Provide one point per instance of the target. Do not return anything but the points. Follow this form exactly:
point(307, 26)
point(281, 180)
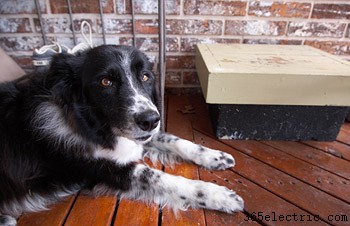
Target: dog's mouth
point(143, 138)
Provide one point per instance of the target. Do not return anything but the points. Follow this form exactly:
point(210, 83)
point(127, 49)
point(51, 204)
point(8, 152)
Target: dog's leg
point(140, 182)
point(169, 148)
point(180, 193)
point(6, 220)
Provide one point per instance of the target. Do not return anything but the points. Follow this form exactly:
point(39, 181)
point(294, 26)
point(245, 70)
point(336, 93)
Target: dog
point(86, 124)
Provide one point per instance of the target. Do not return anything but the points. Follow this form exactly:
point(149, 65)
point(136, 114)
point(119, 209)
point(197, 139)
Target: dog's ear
point(63, 76)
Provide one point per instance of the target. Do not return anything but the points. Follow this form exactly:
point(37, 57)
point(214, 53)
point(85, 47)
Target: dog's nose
point(147, 120)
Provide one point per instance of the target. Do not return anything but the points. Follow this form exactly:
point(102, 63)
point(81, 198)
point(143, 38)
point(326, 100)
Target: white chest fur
point(124, 152)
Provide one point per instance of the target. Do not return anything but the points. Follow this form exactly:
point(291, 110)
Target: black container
point(276, 122)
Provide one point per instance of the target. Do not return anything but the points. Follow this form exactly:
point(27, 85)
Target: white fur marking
point(125, 151)
point(180, 193)
point(50, 121)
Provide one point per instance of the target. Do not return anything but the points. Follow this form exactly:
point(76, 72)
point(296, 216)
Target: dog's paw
point(6, 220)
point(212, 196)
point(213, 159)
point(222, 199)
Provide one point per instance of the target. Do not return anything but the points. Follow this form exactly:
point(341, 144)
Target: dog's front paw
point(219, 198)
point(213, 159)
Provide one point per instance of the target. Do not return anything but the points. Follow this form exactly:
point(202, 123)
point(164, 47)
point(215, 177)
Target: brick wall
point(323, 24)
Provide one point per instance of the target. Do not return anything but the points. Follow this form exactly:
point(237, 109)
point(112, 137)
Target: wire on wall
point(133, 23)
point(38, 11)
point(162, 56)
point(71, 21)
point(102, 22)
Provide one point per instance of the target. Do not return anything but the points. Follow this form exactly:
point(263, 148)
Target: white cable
point(88, 40)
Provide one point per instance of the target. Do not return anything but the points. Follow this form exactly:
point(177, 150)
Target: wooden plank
point(335, 148)
point(191, 216)
point(54, 217)
point(257, 200)
point(136, 213)
point(344, 137)
point(89, 210)
point(325, 161)
point(283, 185)
point(346, 127)
point(239, 185)
point(201, 117)
point(179, 125)
point(313, 175)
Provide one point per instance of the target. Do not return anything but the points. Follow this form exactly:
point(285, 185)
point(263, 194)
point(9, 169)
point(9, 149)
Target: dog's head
point(109, 90)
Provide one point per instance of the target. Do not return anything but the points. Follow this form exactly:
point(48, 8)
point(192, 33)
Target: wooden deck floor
point(282, 183)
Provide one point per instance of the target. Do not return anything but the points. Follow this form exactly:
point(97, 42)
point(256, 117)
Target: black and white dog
point(86, 124)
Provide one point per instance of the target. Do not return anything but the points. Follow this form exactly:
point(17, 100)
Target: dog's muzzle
point(147, 120)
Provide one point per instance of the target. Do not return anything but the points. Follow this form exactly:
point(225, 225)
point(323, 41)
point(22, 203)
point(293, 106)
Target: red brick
point(180, 62)
point(272, 41)
point(331, 11)
point(151, 7)
point(146, 26)
point(21, 7)
point(173, 78)
point(190, 78)
point(219, 8)
point(255, 27)
point(15, 25)
point(194, 27)
point(279, 9)
point(54, 25)
point(188, 44)
point(61, 25)
point(77, 25)
point(23, 43)
point(123, 6)
point(115, 26)
point(152, 44)
point(125, 41)
point(333, 47)
point(316, 29)
point(147, 44)
point(79, 6)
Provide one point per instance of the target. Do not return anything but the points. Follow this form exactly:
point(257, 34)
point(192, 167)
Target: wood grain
point(89, 210)
point(183, 130)
point(335, 148)
point(55, 216)
point(311, 155)
point(136, 213)
point(315, 176)
point(281, 184)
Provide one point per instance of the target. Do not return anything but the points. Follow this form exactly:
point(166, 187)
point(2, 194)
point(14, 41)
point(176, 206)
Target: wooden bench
point(274, 92)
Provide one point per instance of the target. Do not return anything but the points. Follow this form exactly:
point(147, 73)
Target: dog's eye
point(106, 82)
point(145, 77)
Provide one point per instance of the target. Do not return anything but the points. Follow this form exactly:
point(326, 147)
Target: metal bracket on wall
point(162, 56)
point(38, 11)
